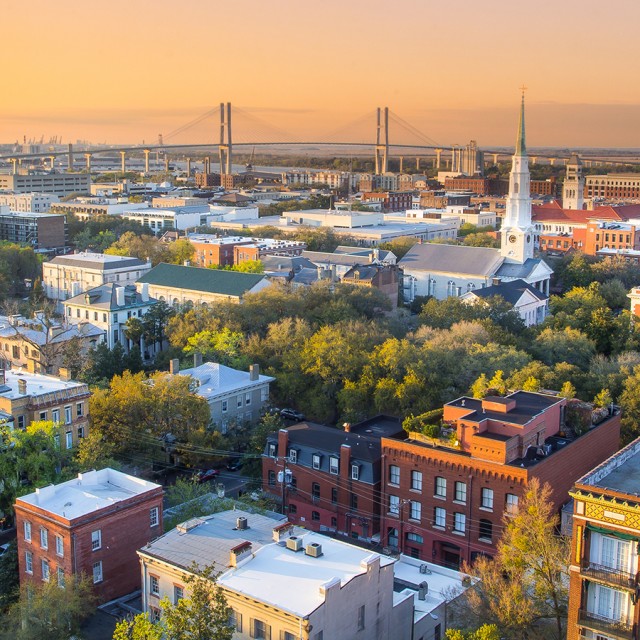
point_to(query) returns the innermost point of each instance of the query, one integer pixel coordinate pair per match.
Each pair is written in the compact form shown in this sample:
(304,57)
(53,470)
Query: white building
(232,395)
(70,275)
(28,202)
(442,271)
(284,583)
(87,208)
(530,303)
(109,306)
(161,220)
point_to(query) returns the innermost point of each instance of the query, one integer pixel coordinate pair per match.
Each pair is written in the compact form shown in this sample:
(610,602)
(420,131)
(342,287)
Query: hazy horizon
(125,72)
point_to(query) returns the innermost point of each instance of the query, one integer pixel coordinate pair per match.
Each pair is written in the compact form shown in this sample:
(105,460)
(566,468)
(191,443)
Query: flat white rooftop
(37,384)
(89,492)
(291,580)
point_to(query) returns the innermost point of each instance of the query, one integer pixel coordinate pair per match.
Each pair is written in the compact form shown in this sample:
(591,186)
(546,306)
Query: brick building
(91,525)
(335,478)
(443,499)
(613,186)
(38,230)
(204,180)
(603,588)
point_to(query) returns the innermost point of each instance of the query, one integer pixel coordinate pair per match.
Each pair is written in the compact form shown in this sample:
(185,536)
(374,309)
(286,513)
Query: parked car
(234,465)
(204,475)
(291,414)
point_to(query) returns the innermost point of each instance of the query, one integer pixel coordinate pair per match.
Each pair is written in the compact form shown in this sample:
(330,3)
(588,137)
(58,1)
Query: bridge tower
(382,148)
(70,158)
(225,149)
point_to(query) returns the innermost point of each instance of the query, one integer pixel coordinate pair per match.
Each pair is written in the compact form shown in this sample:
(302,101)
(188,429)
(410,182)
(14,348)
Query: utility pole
(284,478)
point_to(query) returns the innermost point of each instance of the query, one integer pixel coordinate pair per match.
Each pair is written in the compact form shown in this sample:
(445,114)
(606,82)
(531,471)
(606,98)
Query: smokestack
(120,296)
(174,366)
(197,360)
(254,372)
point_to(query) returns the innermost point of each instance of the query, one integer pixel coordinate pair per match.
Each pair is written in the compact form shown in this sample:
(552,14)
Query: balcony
(615,577)
(616,628)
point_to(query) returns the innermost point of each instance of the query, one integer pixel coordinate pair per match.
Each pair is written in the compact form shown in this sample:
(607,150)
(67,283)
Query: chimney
(22,387)
(64,373)
(3,377)
(120,296)
(254,372)
(347,427)
(197,359)
(282,531)
(174,366)
(144,292)
(239,553)
(496,281)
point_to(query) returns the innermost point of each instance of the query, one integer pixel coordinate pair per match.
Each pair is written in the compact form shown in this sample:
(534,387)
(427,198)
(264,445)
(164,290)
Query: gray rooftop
(620,472)
(445,258)
(101,261)
(514,270)
(211,539)
(105,297)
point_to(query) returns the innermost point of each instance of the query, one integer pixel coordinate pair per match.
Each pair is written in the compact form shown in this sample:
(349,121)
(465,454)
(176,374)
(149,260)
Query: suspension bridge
(380,131)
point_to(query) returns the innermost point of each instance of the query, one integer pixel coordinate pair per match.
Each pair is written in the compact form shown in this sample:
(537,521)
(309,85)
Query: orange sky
(124,71)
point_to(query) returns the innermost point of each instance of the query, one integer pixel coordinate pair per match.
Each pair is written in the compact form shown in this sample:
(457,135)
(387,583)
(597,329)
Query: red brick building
(603,587)
(334,475)
(91,525)
(444,499)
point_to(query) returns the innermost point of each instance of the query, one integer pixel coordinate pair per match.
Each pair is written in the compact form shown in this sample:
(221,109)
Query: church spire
(521,147)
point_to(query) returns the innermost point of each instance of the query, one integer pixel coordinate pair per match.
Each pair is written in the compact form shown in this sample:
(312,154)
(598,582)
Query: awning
(611,532)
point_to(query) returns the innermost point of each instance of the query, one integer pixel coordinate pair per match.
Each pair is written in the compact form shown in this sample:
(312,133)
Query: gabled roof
(326,257)
(277,264)
(524,270)
(306,275)
(226,283)
(553,212)
(444,258)
(362,272)
(511,291)
(105,297)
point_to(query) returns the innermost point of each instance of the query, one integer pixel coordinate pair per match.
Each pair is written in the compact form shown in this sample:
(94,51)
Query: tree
(44,610)
(9,577)
(526,582)
(485,632)
(139,627)
(221,346)
(203,615)
(155,322)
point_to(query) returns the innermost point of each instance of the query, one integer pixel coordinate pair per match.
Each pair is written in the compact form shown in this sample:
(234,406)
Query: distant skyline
(127,71)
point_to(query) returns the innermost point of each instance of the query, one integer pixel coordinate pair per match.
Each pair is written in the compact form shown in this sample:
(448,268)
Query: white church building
(444,270)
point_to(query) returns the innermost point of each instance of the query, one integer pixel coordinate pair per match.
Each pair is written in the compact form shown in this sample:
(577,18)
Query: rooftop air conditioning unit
(294,543)
(424,568)
(314,549)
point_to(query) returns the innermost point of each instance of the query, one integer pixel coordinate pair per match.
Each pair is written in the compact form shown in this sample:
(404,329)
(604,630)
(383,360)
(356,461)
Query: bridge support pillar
(534,159)
(146,160)
(495,158)
(207,165)
(52,162)
(552,161)
(70,158)
(438,157)
(166,162)
(87,157)
(14,166)
(401,163)
(123,161)
(188,166)
(417,164)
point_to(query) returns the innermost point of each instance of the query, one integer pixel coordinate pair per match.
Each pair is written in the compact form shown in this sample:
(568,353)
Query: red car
(204,475)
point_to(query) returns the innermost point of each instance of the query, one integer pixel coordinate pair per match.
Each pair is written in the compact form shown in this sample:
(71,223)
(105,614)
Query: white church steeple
(573,187)
(517,227)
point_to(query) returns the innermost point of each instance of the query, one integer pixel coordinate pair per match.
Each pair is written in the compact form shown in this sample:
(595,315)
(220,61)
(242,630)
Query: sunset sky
(124,71)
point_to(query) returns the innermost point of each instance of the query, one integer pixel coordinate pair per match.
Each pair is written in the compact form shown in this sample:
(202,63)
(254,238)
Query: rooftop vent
(423,589)
(294,543)
(188,525)
(241,524)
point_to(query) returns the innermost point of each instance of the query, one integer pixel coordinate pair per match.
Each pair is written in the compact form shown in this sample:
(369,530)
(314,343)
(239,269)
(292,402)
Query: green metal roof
(224,283)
